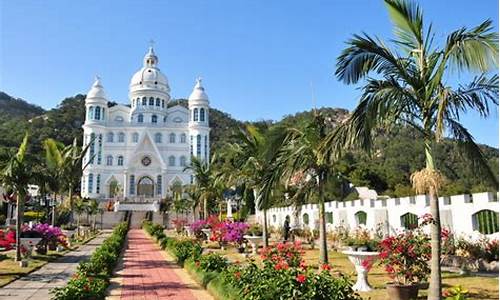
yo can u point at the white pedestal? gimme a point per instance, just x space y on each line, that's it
357 258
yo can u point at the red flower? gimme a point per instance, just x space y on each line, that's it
326 267
303 264
197 263
301 278
237 275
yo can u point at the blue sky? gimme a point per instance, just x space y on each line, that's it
258 58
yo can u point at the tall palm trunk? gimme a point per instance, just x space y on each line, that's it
19 222
265 234
323 250
435 279
70 195
205 208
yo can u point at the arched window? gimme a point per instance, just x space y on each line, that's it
103 114
409 221
140 118
98 184
158 137
138 101
183 138
97 113
360 217
158 184
91 183
171 160
144 101
109 160
121 137
162 103
202 114
90 113
110 137
195 114
274 218
132 185
135 137
154 119
305 219
198 145
485 221
120 160
158 102
151 101
183 161
171 138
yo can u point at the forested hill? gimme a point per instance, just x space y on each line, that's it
396 154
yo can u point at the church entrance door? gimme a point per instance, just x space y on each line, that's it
145 187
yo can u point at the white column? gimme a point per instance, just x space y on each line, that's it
229 214
125 185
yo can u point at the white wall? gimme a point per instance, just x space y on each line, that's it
456 211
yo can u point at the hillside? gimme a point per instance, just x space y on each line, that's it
397 154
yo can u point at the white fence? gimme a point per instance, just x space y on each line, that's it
458 213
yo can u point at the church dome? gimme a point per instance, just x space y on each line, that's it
96 91
198 92
149 76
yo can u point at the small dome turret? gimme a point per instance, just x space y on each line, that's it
97 90
198 92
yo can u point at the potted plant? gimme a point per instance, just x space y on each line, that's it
406 258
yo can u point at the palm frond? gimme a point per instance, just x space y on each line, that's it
471 150
408 23
473 49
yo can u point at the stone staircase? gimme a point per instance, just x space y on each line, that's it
136 219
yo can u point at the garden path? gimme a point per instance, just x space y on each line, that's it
36 285
149 273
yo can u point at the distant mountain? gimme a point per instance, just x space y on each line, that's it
16 107
397 154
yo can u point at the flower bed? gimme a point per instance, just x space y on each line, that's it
283 276
92 276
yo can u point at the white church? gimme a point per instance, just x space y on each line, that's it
138 151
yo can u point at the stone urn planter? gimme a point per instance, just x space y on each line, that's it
207 232
402 292
28 243
187 230
362 261
255 241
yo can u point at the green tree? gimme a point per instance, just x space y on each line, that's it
15 177
204 181
410 88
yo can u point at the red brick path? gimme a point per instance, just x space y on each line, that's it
147 276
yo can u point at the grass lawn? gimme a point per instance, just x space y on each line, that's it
10 269
479 287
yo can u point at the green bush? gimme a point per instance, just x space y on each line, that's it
184 249
92 276
212 262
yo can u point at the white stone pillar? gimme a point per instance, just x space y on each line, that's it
125 185
229 214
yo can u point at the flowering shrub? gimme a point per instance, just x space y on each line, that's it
179 224
234 231
406 256
82 287
282 256
51 235
196 228
286 276
7 239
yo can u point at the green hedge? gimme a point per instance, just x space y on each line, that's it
92 276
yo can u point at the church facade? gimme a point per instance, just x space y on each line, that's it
138 151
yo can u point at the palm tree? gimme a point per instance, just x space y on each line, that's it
307 165
15 177
66 163
205 181
79 208
409 88
93 209
251 166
